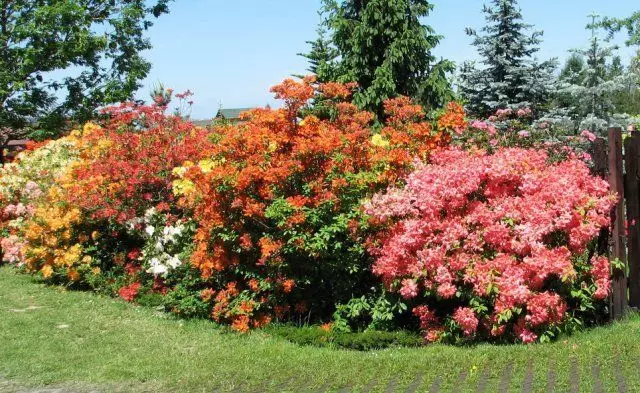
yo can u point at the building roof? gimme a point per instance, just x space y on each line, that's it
202 123
231 113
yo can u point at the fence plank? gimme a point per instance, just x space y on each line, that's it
632 200
619 287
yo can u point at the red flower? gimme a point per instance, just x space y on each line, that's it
130 292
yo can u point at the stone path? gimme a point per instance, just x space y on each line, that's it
502 382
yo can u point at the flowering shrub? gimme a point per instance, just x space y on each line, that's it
262 220
494 246
277 202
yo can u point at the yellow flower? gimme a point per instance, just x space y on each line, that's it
179 171
89 128
95 235
46 271
96 270
273 146
207 166
183 187
379 141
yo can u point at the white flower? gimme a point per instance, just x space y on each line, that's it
150 230
174 262
150 213
157 268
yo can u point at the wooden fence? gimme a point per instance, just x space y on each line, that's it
618 161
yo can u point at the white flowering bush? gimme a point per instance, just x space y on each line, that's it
166 241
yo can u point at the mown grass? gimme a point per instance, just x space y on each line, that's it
53 337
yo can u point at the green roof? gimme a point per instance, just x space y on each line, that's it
232 113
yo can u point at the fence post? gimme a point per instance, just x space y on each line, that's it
599 154
632 199
616 183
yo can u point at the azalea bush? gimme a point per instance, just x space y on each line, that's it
495 246
277 202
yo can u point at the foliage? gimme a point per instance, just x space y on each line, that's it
510 77
321 336
383 46
99 43
495 246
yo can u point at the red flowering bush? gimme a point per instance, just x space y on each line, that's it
128 161
495 246
277 201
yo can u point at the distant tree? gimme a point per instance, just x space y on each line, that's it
630 24
97 45
510 77
573 68
322 57
383 46
627 100
593 92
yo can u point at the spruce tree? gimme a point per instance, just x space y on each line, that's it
383 46
510 77
321 56
593 92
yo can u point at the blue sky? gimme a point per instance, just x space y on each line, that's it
230 52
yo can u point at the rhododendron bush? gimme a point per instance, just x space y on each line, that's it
277 202
496 247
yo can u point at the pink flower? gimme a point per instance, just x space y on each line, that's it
523 333
409 288
523 134
589 135
466 319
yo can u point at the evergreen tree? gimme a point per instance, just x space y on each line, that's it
627 100
322 57
573 68
383 46
594 90
510 76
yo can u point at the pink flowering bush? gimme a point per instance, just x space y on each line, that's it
495 246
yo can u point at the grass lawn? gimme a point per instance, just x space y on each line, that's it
80 341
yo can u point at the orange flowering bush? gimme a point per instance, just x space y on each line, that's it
277 201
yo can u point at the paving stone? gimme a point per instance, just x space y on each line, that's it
462 378
505 381
597 383
435 386
620 380
551 378
483 380
415 385
574 376
527 385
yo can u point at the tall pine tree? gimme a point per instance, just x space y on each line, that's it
382 45
510 77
